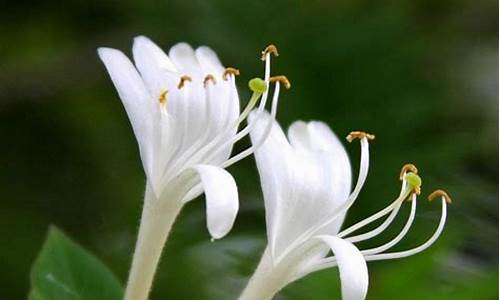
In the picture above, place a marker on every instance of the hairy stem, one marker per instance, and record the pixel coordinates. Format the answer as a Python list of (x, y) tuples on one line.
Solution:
[(265, 282), (156, 221)]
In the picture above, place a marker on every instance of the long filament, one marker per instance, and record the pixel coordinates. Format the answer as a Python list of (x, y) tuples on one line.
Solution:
[(420, 248), (400, 236)]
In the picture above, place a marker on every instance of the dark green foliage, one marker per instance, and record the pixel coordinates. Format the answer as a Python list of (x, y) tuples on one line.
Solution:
[(66, 271)]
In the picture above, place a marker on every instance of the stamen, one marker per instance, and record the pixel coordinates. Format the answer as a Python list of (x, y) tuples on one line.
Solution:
[(420, 248), (331, 261), (267, 74), (378, 230), (182, 80), (250, 150), (208, 78), (384, 225), (163, 97), (405, 192), (271, 49), (216, 141), (230, 71), (440, 193), (400, 236), (359, 135), (281, 79), (256, 85), (407, 168)]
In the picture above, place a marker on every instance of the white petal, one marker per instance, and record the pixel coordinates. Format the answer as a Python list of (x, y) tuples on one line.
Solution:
[(209, 110), (154, 65), (136, 100), (272, 162), (299, 136), (221, 199), (146, 47), (317, 136), (224, 105), (352, 268), (182, 55), (224, 100), (209, 62), (297, 186)]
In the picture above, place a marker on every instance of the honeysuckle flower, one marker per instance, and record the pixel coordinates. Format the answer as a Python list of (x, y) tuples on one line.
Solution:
[(185, 113), (306, 182)]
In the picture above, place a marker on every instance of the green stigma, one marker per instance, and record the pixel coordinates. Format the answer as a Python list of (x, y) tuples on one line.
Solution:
[(413, 180), (257, 85)]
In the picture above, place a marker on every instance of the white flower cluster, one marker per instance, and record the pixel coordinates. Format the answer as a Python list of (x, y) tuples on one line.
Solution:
[(185, 112)]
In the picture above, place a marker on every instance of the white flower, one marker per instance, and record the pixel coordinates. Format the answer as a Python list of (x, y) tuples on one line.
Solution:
[(306, 181), (184, 110)]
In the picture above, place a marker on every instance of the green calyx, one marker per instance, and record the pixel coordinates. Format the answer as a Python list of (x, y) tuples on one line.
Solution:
[(257, 85)]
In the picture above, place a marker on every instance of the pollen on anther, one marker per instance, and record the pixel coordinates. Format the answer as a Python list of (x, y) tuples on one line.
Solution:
[(439, 193), (407, 168), (230, 70), (269, 49), (208, 78), (359, 135), (281, 79), (182, 81), (163, 97)]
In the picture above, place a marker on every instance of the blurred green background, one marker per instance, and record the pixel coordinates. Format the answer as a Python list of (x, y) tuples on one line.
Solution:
[(421, 74)]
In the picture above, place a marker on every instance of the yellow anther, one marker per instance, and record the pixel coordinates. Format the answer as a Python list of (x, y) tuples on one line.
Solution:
[(281, 79), (232, 71), (182, 81), (359, 135), (163, 97), (439, 193), (407, 168), (269, 49), (208, 78)]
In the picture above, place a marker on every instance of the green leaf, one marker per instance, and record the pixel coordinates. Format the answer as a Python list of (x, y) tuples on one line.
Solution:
[(66, 271)]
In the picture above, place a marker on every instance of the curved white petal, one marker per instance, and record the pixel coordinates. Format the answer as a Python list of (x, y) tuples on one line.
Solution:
[(352, 267), (184, 58), (272, 164), (159, 76), (299, 136), (196, 102), (136, 100), (297, 186), (154, 65), (221, 196), (209, 62), (317, 136), (224, 100)]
